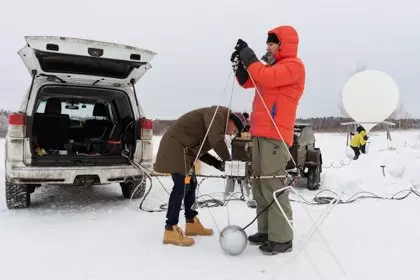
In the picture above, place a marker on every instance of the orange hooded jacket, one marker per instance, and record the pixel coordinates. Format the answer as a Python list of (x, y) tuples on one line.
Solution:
[(281, 86)]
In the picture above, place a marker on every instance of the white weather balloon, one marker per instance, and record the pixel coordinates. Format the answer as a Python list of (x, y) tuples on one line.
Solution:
[(369, 97)]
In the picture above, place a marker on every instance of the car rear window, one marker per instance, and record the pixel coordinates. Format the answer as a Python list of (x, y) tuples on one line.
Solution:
[(80, 111), (85, 65)]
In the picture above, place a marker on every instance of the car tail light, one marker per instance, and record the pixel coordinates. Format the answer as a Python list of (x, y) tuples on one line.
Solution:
[(146, 127), (17, 124), (17, 119), (147, 124)]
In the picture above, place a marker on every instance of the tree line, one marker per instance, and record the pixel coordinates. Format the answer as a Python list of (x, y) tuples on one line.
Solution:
[(319, 124), (4, 122)]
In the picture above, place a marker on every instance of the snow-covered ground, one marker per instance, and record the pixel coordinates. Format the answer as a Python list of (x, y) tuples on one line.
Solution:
[(93, 233)]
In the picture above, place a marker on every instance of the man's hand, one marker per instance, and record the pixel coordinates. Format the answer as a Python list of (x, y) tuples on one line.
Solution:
[(220, 165), (236, 62), (212, 161), (247, 56), (238, 68), (240, 45), (234, 55)]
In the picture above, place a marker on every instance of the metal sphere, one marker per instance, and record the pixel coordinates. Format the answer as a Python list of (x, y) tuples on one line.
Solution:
[(233, 240)]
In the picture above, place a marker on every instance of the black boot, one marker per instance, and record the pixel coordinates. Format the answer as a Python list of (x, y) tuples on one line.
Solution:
[(274, 248), (258, 238)]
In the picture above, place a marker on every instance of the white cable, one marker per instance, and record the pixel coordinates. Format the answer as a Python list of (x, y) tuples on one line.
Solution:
[(208, 130), (312, 230), (202, 144), (290, 187), (230, 102), (272, 120), (325, 242), (140, 167)]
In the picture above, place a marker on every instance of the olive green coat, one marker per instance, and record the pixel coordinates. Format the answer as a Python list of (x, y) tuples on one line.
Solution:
[(181, 142)]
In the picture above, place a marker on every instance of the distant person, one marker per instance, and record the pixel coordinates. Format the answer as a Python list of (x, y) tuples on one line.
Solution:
[(176, 154), (358, 142)]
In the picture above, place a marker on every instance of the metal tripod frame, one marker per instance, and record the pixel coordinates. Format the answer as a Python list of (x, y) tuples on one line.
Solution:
[(310, 233)]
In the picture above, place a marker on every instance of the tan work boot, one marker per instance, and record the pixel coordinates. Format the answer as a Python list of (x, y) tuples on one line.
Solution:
[(194, 227), (176, 237)]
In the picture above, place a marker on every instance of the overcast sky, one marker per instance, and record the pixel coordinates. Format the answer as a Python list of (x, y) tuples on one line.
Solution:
[(194, 41)]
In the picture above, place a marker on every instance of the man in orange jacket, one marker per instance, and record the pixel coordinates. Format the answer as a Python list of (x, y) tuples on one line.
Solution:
[(279, 87)]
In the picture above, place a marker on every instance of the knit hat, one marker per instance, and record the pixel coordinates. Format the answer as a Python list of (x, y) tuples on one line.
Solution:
[(272, 38), (239, 120)]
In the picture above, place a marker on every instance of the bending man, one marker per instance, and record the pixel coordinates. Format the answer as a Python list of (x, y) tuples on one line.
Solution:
[(177, 152)]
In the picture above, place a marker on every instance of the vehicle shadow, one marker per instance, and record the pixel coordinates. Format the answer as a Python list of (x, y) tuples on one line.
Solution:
[(77, 198)]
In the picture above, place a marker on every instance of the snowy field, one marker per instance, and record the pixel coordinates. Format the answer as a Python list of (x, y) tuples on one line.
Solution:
[(93, 233)]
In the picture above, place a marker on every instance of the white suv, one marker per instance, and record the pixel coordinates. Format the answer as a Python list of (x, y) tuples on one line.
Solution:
[(79, 119)]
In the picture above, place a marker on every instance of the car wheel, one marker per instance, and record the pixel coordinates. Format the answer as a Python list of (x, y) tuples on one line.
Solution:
[(314, 178), (31, 188), (129, 188), (17, 196)]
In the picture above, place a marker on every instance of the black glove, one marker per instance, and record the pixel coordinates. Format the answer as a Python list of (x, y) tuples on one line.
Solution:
[(239, 69), (234, 55), (241, 44), (236, 62), (247, 56), (220, 165), (212, 161), (365, 137)]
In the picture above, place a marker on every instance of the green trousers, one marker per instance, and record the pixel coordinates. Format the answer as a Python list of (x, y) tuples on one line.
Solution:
[(270, 157)]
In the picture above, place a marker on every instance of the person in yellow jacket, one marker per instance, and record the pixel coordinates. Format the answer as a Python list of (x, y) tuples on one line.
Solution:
[(358, 142)]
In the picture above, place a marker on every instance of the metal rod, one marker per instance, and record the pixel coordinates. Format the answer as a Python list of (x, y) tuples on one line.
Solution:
[(227, 176)]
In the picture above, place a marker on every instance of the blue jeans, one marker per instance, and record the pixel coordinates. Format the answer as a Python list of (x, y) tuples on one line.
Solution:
[(181, 191)]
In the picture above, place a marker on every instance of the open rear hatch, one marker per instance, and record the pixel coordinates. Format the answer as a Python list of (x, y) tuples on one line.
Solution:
[(57, 137), (85, 60)]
